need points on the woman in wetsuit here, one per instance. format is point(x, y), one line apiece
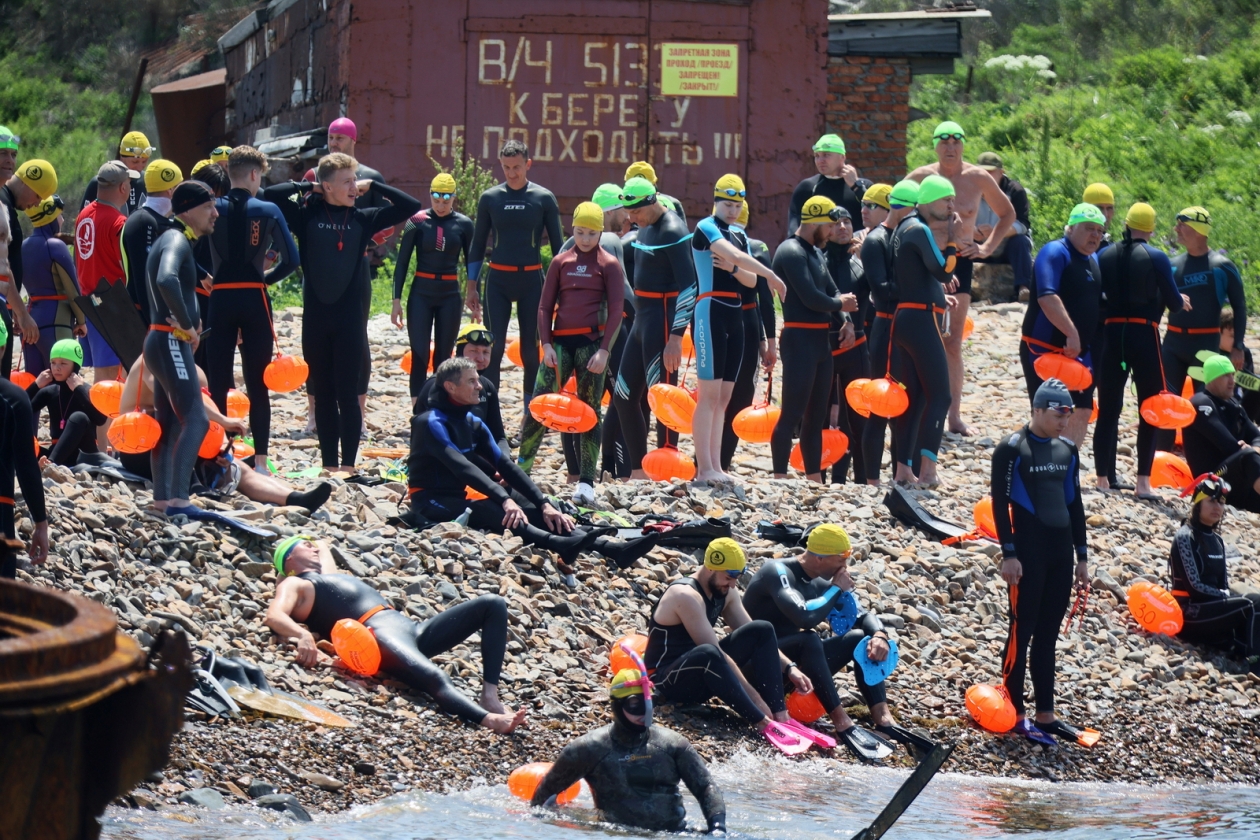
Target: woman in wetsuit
point(314, 592)
point(1200, 582)
point(437, 237)
point(50, 281)
point(72, 419)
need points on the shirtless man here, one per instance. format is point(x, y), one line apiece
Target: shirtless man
point(971, 183)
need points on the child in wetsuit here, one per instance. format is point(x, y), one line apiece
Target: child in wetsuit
point(72, 419)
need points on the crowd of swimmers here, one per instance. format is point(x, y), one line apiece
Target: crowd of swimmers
point(872, 280)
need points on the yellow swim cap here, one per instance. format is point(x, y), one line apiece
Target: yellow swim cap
point(443, 182)
point(220, 154)
point(40, 176)
point(878, 194)
point(200, 165)
point(135, 144)
point(641, 169)
point(1099, 193)
point(1196, 218)
point(1141, 216)
point(818, 211)
point(828, 539)
point(730, 188)
point(45, 213)
point(725, 555)
point(742, 221)
point(161, 175)
point(589, 215)
point(624, 683)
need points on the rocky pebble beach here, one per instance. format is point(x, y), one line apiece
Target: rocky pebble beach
point(1169, 712)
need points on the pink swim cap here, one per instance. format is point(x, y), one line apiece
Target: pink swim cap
point(344, 125)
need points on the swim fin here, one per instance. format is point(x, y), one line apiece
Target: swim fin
point(1033, 732)
point(821, 740)
point(1064, 731)
point(787, 741)
point(864, 745)
point(907, 509)
point(203, 515)
point(906, 794)
point(920, 745)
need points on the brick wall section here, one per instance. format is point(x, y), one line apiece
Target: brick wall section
point(868, 104)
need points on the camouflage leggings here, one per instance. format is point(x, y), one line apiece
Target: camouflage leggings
point(590, 390)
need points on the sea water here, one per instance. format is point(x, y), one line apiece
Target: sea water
point(768, 799)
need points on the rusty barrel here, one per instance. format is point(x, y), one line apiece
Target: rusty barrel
point(85, 714)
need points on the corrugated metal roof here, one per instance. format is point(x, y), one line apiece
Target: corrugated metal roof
point(916, 15)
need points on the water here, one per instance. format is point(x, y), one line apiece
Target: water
point(766, 799)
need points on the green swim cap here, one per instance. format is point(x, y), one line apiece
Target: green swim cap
point(8, 140)
point(637, 192)
point(947, 128)
point(1216, 367)
point(1086, 213)
point(830, 143)
point(283, 549)
point(69, 349)
point(934, 187)
point(607, 196)
point(904, 193)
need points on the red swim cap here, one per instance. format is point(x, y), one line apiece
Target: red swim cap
point(346, 126)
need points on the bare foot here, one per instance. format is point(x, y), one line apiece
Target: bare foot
point(958, 427)
point(710, 477)
point(1102, 483)
point(503, 723)
point(490, 701)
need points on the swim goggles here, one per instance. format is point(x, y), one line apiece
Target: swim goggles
point(634, 705)
point(137, 151)
point(222, 151)
point(1207, 486)
point(9, 141)
point(476, 337)
point(1196, 216)
point(445, 196)
point(1061, 410)
point(955, 136)
point(733, 193)
point(870, 205)
point(734, 574)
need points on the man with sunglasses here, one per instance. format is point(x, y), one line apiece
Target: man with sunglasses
point(1040, 517)
point(134, 151)
point(437, 237)
point(473, 343)
point(633, 768)
point(971, 185)
point(1209, 279)
point(796, 596)
point(1222, 439)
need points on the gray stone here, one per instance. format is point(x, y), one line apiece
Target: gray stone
point(203, 798)
point(285, 803)
point(891, 620)
point(348, 561)
point(257, 789)
point(447, 590)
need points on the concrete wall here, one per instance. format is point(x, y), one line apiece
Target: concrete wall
point(868, 104)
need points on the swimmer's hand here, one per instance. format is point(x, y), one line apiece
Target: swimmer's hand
point(850, 302)
point(877, 648)
point(38, 549)
point(1012, 571)
point(79, 331)
point(798, 678)
point(778, 287)
point(952, 285)
point(672, 355)
point(307, 653)
point(598, 362)
point(842, 579)
point(847, 335)
point(45, 378)
point(396, 314)
point(556, 521)
point(513, 516)
point(234, 425)
point(769, 355)
point(549, 356)
point(74, 381)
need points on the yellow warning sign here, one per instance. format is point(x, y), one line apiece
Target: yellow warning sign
point(700, 69)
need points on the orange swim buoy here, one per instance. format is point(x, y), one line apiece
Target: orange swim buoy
point(668, 463)
point(523, 781)
point(286, 373)
point(1072, 373)
point(991, 707)
point(969, 326)
point(886, 397)
point(212, 443)
point(982, 513)
point(855, 395)
point(357, 647)
point(672, 405)
point(1154, 608)
point(237, 404)
point(805, 708)
point(619, 660)
point(22, 379)
point(241, 449)
point(134, 432)
point(755, 424)
point(405, 362)
point(563, 412)
point(1167, 410)
point(835, 444)
point(1167, 470)
point(107, 397)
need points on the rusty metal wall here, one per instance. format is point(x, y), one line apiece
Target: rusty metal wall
point(579, 80)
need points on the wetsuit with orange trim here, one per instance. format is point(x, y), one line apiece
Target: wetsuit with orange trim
point(1200, 583)
point(877, 276)
point(52, 284)
point(805, 350)
point(850, 363)
point(917, 356)
point(1040, 518)
point(1209, 280)
point(1062, 270)
point(757, 308)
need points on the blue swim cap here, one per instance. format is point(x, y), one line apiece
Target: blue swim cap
point(873, 672)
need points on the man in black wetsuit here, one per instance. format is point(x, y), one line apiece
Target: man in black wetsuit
point(134, 152)
point(744, 669)
point(314, 592)
point(836, 180)
point(143, 227)
point(168, 348)
point(1209, 279)
point(804, 343)
point(333, 234)
point(1222, 439)
point(633, 767)
point(1137, 285)
point(248, 230)
point(877, 272)
point(17, 455)
point(643, 169)
point(795, 596)
point(474, 343)
point(520, 213)
point(664, 299)
point(1040, 518)
point(453, 452)
point(849, 362)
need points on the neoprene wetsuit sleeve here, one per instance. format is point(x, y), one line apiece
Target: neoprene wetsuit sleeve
point(402, 268)
point(1076, 507)
point(1210, 425)
point(434, 438)
point(401, 207)
point(1000, 480)
point(494, 417)
point(282, 240)
point(1237, 300)
point(615, 291)
point(799, 280)
point(684, 268)
point(574, 762)
point(481, 236)
point(696, 777)
point(1167, 284)
point(870, 623)
point(765, 308)
point(551, 220)
point(1019, 200)
point(282, 195)
point(1048, 268)
point(25, 462)
point(804, 614)
point(919, 237)
point(1184, 549)
point(171, 289)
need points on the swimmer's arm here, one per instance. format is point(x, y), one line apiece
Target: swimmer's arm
point(170, 288)
point(689, 609)
point(695, 776)
point(752, 268)
point(575, 761)
point(804, 614)
point(280, 611)
point(735, 614)
point(1001, 479)
point(1000, 204)
point(1056, 313)
point(1167, 285)
point(327, 565)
